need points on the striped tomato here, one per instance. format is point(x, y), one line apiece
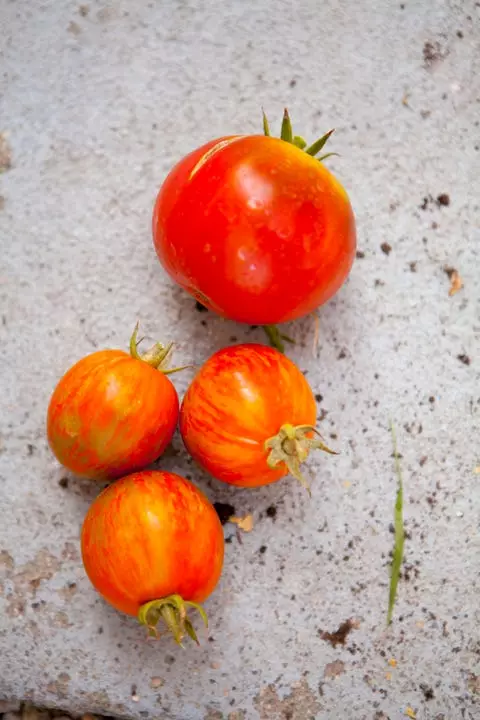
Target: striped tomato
point(152, 546)
point(113, 412)
point(249, 416)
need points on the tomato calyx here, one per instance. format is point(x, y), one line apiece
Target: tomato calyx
point(286, 134)
point(292, 445)
point(158, 355)
point(172, 610)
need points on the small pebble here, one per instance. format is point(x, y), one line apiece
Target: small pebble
point(156, 682)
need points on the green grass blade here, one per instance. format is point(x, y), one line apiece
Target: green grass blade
point(397, 557)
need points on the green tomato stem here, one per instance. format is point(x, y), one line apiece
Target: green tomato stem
point(274, 337)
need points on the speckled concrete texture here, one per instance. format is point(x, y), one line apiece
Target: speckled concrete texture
point(97, 101)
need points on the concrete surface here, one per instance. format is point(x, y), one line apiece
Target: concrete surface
point(97, 102)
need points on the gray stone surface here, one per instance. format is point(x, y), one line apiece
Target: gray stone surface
point(97, 102)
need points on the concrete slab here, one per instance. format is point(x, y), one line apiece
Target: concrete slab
point(97, 102)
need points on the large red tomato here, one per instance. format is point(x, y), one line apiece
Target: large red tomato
point(249, 416)
point(113, 413)
point(255, 228)
point(152, 545)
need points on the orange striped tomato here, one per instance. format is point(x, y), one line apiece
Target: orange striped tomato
point(112, 412)
point(249, 416)
point(152, 546)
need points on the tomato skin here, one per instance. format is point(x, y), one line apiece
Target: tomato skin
point(254, 228)
point(149, 535)
point(239, 399)
point(111, 414)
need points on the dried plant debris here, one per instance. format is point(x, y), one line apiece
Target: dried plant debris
point(5, 153)
point(244, 523)
point(397, 556)
point(456, 282)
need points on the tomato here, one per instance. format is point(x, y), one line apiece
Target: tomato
point(255, 228)
point(249, 416)
point(112, 412)
point(152, 545)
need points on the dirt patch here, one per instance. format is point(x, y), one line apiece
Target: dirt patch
point(59, 687)
point(224, 511)
point(301, 704)
point(474, 684)
point(27, 578)
point(70, 552)
point(213, 715)
point(340, 635)
point(433, 53)
point(334, 669)
point(427, 691)
point(98, 701)
point(61, 620)
point(271, 512)
point(6, 560)
point(68, 591)
point(74, 28)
